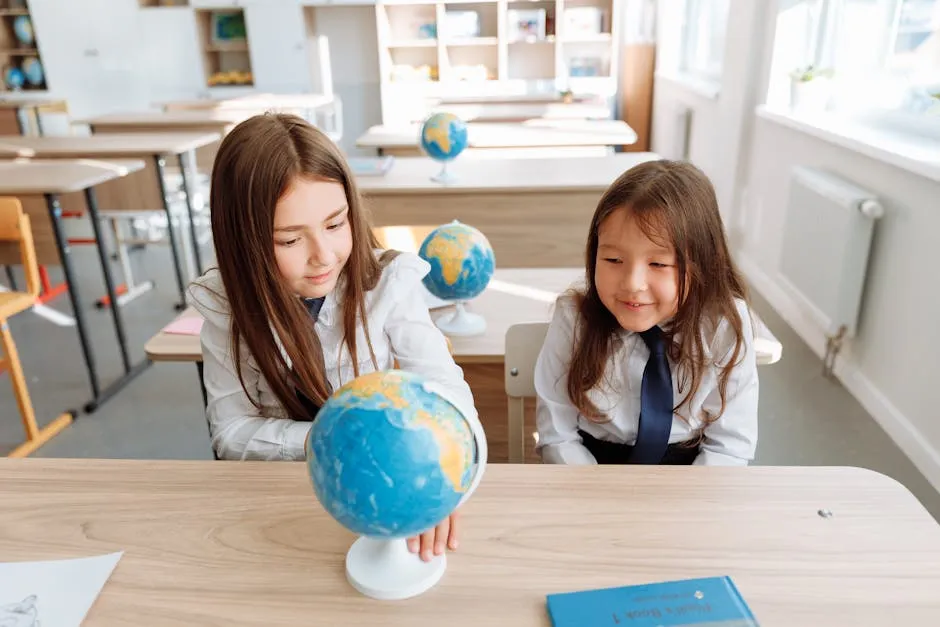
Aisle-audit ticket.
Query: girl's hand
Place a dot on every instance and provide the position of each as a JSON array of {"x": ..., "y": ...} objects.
[{"x": 436, "y": 539}]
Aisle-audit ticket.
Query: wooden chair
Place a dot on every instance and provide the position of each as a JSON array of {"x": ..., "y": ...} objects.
[
  {"x": 15, "y": 227},
  {"x": 523, "y": 343}
]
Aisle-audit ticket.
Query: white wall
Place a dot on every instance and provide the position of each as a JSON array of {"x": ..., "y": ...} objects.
[
  {"x": 355, "y": 62},
  {"x": 892, "y": 365}
]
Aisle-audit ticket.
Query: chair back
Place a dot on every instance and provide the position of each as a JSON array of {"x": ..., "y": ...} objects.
[{"x": 523, "y": 343}]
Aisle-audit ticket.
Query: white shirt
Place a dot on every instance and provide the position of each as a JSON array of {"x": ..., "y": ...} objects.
[
  {"x": 729, "y": 441},
  {"x": 400, "y": 328}
]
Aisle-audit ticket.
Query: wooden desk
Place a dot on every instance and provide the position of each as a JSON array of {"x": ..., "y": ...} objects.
[
  {"x": 22, "y": 116},
  {"x": 537, "y": 133},
  {"x": 514, "y": 295},
  {"x": 535, "y": 212},
  {"x": 143, "y": 190},
  {"x": 39, "y": 184},
  {"x": 247, "y": 543},
  {"x": 209, "y": 121}
]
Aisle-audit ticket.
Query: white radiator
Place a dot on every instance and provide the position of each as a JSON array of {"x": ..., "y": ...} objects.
[{"x": 827, "y": 239}]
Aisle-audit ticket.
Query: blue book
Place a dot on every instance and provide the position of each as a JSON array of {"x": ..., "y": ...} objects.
[{"x": 708, "y": 602}]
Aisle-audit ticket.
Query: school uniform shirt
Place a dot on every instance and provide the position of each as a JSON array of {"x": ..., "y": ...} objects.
[
  {"x": 729, "y": 441},
  {"x": 400, "y": 328}
]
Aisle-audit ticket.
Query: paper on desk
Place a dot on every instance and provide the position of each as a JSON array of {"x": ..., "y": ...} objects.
[
  {"x": 188, "y": 325},
  {"x": 55, "y": 593}
]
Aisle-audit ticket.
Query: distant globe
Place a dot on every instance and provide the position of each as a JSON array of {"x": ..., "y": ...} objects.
[
  {"x": 443, "y": 136},
  {"x": 14, "y": 78},
  {"x": 389, "y": 456},
  {"x": 23, "y": 29},
  {"x": 462, "y": 261},
  {"x": 32, "y": 69}
]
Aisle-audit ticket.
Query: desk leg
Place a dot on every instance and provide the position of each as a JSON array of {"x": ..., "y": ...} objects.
[
  {"x": 202, "y": 384},
  {"x": 170, "y": 231},
  {"x": 130, "y": 372},
  {"x": 55, "y": 217},
  {"x": 186, "y": 160}
]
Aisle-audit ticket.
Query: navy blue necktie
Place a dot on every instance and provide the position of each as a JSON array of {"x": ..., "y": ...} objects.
[
  {"x": 652, "y": 436},
  {"x": 313, "y": 306}
]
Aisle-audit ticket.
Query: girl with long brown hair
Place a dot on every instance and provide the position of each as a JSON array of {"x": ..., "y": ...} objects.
[
  {"x": 653, "y": 360},
  {"x": 302, "y": 299}
]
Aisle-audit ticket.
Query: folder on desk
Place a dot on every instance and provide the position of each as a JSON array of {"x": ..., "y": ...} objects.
[
  {"x": 711, "y": 601},
  {"x": 370, "y": 166}
]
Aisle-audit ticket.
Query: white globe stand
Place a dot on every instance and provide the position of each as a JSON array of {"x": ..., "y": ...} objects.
[
  {"x": 387, "y": 570},
  {"x": 444, "y": 176},
  {"x": 462, "y": 322}
]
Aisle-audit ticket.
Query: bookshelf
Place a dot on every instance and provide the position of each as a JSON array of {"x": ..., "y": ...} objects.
[
  {"x": 495, "y": 51},
  {"x": 20, "y": 60},
  {"x": 223, "y": 37}
]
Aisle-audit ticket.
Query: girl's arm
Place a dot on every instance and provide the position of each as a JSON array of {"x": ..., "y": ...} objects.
[
  {"x": 732, "y": 439},
  {"x": 556, "y": 417},
  {"x": 238, "y": 429}
]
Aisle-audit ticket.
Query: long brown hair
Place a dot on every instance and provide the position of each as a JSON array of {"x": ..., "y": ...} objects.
[
  {"x": 256, "y": 163},
  {"x": 674, "y": 202}
]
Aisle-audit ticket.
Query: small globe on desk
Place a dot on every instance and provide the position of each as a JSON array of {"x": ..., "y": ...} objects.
[
  {"x": 462, "y": 264},
  {"x": 443, "y": 137},
  {"x": 391, "y": 457}
]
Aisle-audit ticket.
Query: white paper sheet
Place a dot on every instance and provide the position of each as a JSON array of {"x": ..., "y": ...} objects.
[{"x": 55, "y": 593}]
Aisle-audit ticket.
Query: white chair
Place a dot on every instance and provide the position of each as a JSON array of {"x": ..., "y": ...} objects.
[{"x": 523, "y": 343}]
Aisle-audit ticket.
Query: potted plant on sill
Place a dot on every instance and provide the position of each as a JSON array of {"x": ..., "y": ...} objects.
[{"x": 810, "y": 88}]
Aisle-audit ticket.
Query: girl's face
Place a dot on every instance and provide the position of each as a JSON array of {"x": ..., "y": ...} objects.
[
  {"x": 636, "y": 278},
  {"x": 312, "y": 237}
]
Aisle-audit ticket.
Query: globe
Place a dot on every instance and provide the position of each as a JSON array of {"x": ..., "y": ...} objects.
[
  {"x": 443, "y": 137},
  {"x": 23, "y": 29},
  {"x": 14, "y": 78},
  {"x": 462, "y": 264},
  {"x": 32, "y": 70},
  {"x": 390, "y": 457}
]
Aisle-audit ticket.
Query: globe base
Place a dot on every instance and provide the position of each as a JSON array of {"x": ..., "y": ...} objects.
[
  {"x": 387, "y": 570},
  {"x": 444, "y": 176},
  {"x": 462, "y": 322}
]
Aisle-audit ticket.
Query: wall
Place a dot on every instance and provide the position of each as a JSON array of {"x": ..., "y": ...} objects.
[
  {"x": 890, "y": 366},
  {"x": 355, "y": 62}
]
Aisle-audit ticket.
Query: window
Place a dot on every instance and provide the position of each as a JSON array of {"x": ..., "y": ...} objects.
[
  {"x": 703, "y": 43},
  {"x": 885, "y": 54}
]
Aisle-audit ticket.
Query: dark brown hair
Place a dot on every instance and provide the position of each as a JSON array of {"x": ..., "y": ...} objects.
[
  {"x": 672, "y": 202},
  {"x": 255, "y": 165}
]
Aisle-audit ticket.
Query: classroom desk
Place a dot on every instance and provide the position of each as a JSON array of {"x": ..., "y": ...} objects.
[
  {"x": 22, "y": 116},
  {"x": 535, "y": 212},
  {"x": 514, "y": 295},
  {"x": 144, "y": 190},
  {"x": 38, "y": 184},
  {"x": 402, "y": 141},
  {"x": 255, "y": 103},
  {"x": 206, "y": 121},
  {"x": 247, "y": 543}
]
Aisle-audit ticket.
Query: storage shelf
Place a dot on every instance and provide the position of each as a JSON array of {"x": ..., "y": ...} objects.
[
  {"x": 472, "y": 41},
  {"x": 413, "y": 43}
]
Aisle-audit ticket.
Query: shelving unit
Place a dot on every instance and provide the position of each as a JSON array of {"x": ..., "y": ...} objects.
[
  {"x": 223, "y": 36},
  {"x": 497, "y": 51},
  {"x": 16, "y": 54}
]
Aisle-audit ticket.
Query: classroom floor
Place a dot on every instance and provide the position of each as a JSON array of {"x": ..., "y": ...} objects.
[{"x": 805, "y": 419}]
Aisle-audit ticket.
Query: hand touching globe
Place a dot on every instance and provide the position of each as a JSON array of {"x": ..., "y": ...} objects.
[{"x": 390, "y": 457}]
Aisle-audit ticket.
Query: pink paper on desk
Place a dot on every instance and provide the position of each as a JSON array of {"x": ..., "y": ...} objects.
[{"x": 190, "y": 325}]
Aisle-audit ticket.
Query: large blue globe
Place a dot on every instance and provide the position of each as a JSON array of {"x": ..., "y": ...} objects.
[
  {"x": 389, "y": 456},
  {"x": 443, "y": 136},
  {"x": 462, "y": 261}
]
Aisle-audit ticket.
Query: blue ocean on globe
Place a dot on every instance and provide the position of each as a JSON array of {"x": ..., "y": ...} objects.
[
  {"x": 462, "y": 261},
  {"x": 443, "y": 136},
  {"x": 389, "y": 457}
]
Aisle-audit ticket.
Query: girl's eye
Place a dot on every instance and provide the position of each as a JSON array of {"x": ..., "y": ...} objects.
[
  {"x": 336, "y": 225},
  {"x": 611, "y": 260},
  {"x": 289, "y": 242},
  {"x": 656, "y": 264}
]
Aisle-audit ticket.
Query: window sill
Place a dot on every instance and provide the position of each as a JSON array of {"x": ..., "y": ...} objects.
[
  {"x": 914, "y": 154},
  {"x": 710, "y": 90}
]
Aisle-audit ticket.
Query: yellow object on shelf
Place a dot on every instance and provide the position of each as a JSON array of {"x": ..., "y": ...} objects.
[{"x": 230, "y": 78}]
